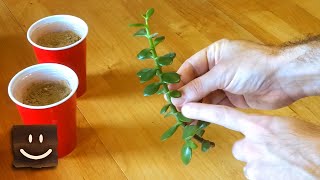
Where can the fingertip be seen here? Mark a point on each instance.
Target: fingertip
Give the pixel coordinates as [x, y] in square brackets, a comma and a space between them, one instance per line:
[171, 86]
[221, 115]
[189, 110]
[186, 109]
[199, 88]
[178, 102]
[175, 86]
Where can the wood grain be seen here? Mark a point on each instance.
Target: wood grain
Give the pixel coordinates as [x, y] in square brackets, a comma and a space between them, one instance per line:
[118, 129]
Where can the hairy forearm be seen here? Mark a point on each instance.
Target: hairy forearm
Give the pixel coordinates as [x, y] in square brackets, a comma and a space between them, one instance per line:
[300, 71]
[301, 68]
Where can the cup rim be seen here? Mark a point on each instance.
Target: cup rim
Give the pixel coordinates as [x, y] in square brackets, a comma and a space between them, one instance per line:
[58, 48]
[45, 106]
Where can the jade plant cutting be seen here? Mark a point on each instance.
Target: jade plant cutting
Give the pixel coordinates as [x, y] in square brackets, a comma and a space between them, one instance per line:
[191, 131]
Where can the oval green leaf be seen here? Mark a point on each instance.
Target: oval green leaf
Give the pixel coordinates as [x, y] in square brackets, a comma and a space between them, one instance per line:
[186, 154]
[137, 25]
[189, 131]
[164, 108]
[171, 77]
[169, 132]
[149, 13]
[165, 61]
[144, 54]
[182, 118]
[147, 75]
[151, 89]
[158, 40]
[170, 54]
[142, 71]
[175, 94]
[141, 32]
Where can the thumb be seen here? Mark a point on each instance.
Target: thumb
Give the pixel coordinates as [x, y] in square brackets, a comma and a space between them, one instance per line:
[221, 115]
[200, 87]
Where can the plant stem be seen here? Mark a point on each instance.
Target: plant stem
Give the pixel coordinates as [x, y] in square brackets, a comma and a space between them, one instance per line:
[158, 67]
[159, 74]
[201, 140]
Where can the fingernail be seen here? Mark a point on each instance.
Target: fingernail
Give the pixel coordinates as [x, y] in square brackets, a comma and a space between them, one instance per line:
[177, 101]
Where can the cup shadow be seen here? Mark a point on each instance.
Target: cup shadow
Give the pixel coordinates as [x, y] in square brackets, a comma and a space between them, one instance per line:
[112, 83]
[23, 58]
[16, 54]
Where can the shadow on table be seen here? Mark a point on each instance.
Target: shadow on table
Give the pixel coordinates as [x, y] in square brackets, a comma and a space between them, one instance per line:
[112, 83]
[124, 140]
[139, 142]
[16, 54]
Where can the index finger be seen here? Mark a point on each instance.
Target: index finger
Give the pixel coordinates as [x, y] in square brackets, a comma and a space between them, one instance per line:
[221, 115]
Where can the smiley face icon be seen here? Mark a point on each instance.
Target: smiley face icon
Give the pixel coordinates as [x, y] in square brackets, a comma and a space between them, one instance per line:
[34, 146]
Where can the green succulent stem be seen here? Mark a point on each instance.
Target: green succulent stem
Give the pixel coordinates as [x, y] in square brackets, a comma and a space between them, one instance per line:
[189, 130]
[158, 67]
[159, 74]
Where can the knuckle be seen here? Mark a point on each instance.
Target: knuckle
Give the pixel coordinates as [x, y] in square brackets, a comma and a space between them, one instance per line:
[257, 126]
[215, 51]
[197, 87]
[246, 151]
[222, 41]
[237, 150]
[263, 125]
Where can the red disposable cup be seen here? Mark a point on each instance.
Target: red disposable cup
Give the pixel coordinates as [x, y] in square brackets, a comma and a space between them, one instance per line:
[62, 113]
[73, 56]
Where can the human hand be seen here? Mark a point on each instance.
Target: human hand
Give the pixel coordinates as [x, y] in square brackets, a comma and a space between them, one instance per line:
[273, 147]
[248, 75]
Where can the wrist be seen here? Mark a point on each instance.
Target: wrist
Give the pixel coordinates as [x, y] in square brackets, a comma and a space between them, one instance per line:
[299, 71]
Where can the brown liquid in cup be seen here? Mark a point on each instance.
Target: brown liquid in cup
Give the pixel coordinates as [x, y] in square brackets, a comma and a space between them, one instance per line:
[43, 93]
[58, 39]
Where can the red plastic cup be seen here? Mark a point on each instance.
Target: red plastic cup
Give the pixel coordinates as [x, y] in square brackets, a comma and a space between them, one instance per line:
[73, 56]
[62, 113]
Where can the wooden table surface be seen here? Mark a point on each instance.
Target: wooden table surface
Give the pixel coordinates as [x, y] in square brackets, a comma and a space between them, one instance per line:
[118, 129]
